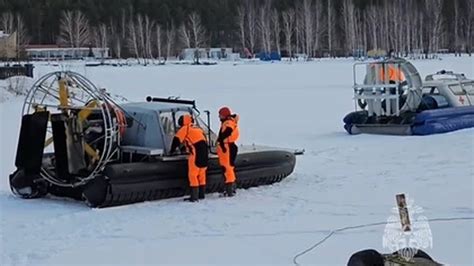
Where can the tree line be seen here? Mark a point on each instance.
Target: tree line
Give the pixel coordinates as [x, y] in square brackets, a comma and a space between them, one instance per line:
[161, 28]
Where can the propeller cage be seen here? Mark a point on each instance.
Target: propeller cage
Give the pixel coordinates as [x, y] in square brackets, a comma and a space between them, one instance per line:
[83, 130]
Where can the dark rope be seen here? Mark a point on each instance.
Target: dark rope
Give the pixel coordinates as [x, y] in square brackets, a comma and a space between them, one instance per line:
[295, 258]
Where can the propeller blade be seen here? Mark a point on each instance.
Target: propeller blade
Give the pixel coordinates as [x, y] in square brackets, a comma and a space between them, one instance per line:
[63, 93]
[84, 114]
[91, 152]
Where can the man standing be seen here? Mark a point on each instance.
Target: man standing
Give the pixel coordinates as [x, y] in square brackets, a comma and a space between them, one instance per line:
[227, 149]
[195, 141]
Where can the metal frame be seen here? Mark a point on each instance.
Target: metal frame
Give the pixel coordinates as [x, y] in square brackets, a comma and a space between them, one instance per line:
[45, 87]
[375, 93]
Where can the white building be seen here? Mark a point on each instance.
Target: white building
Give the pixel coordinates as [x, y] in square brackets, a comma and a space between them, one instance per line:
[54, 52]
[189, 54]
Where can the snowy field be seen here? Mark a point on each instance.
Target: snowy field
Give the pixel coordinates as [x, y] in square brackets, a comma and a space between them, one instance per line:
[341, 180]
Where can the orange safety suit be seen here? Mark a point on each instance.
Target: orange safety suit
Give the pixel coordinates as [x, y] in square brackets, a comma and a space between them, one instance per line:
[195, 141]
[394, 73]
[227, 149]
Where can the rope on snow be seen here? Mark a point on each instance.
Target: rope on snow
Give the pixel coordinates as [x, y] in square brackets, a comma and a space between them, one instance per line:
[295, 258]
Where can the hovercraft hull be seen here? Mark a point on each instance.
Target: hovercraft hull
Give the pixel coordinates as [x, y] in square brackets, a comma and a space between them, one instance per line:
[424, 123]
[127, 183]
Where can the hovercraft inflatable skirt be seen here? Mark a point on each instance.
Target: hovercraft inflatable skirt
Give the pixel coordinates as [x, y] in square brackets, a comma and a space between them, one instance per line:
[145, 181]
[424, 123]
[443, 120]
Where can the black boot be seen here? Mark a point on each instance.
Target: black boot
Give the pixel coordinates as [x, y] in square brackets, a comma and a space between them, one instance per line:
[193, 197]
[202, 192]
[229, 189]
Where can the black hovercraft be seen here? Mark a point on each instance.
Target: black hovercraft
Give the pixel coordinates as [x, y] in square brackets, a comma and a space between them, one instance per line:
[77, 142]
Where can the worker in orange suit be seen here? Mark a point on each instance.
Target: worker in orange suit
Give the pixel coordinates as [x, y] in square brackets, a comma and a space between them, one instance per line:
[227, 147]
[391, 73]
[194, 140]
[394, 74]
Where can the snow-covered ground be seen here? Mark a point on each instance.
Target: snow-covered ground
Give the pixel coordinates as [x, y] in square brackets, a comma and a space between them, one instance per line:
[341, 180]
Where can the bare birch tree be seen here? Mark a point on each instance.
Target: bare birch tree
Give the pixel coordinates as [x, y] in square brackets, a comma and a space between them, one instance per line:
[21, 31]
[364, 30]
[123, 24]
[264, 26]
[140, 34]
[133, 39]
[81, 29]
[350, 33]
[7, 22]
[359, 29]
[251, 22]
[393, 30]
[384, 25]
[275, 21]
[372, 22]
[104, 36]
[409, 25]
[149, 28]
[115, 39]
[198, 32]
[288, 17]
[331, 23]
[305, 26]
[435, 8]
[158, 42]
[469, 22]
[101, 37]
[298, 30]
[241, 15]
[308, 26]
[402, 25]
[170, 38]
[456, 26]
[185, 35]
[320, 26]
[421, 33]
[74, 28]
[67, 28]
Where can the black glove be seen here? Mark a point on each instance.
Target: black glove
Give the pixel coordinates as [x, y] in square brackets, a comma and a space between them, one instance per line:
[174, 146]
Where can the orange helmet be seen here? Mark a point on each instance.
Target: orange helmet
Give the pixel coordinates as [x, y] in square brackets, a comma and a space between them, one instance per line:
[224, 112]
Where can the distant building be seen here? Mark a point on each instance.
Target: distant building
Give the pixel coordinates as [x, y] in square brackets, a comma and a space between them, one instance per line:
[8, 47]
[56, 52]
[190, 54]
[220, 53]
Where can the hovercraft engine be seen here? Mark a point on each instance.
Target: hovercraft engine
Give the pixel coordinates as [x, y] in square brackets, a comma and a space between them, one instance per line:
[70, 130]
[388, 93]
